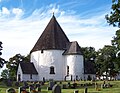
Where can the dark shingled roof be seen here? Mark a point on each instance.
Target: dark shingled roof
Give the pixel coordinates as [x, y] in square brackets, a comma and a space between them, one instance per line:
[73, 48]
[89, 67]
[28, 68]
[53, 37]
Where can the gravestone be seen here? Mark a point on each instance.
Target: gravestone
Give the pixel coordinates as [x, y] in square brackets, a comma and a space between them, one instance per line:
[42, 83]
[64, 86]
[85, 91]
[17, 84]
[21, 89]
[56, 89]
[75, 91]
[74, 85]
[96, 86]
[51, 84]
[31, 87]
[25, 84]
[69, 85]
[10, 90]
[38, 87]
[60, 82]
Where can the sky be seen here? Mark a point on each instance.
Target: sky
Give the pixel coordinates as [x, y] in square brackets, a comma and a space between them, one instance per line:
[23, 21]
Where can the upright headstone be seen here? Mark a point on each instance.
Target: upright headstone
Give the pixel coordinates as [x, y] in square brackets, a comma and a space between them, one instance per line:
[60, 82]
[31, 87]
[96, 86]
[75, 91]
[85, 91]
[56, 89]
[25, 84]
[10, 90]
[19, 89]
[51, 84]
[17, 84]
[74, 85]
[69, 85]
[38, 87]
[64, 86]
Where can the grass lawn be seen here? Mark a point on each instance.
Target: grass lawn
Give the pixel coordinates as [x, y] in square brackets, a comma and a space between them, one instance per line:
[91, 89]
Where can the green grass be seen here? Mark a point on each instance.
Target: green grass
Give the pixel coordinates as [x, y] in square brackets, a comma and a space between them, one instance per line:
[91, 89]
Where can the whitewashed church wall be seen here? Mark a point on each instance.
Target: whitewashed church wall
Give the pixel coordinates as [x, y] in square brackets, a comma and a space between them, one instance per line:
[35, 59]
[47, 58]
[75, 63]
[27, 77]
[19, 72]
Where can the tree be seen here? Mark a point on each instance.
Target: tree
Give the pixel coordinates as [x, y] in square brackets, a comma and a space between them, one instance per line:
[2, 61]
[5, 74]
[116, 40]
[114, 17]
[89, 53]
[106, 61]
[13, 62]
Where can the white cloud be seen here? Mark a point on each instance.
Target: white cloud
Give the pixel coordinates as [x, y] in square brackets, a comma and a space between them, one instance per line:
[5, 11]
[17, 11]
[20, 35]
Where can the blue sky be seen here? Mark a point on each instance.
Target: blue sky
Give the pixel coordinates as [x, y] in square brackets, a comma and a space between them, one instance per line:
[23, 21]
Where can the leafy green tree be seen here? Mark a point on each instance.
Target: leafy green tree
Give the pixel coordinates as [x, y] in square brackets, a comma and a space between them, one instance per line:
[106, 61]
[116, 40]
[5, 74]
[2, 61]
[89, 58]
[114, 17]
[13, 62]
[89, 53]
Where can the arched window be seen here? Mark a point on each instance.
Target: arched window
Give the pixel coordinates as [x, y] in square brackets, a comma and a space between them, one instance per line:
[52, 70]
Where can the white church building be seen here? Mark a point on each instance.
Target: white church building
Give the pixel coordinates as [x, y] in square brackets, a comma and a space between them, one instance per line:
[53, 57]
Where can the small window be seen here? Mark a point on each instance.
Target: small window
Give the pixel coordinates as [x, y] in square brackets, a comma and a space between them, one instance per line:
[67, 70]
[30, 76]
[42, 51]
[52, 70]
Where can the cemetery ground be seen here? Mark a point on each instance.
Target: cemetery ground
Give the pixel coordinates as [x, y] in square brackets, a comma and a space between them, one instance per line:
[92, 87]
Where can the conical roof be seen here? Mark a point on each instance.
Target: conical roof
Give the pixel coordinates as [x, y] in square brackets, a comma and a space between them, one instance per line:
[73, 48]
[53, 37]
